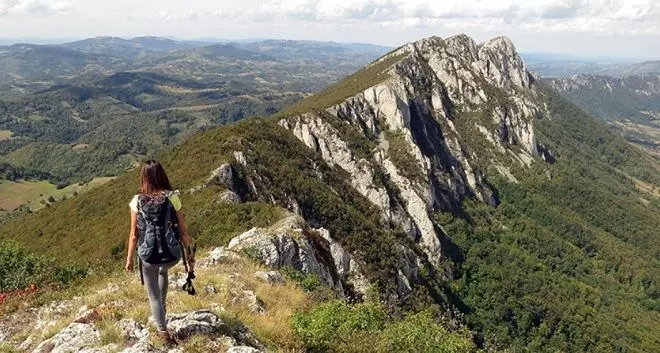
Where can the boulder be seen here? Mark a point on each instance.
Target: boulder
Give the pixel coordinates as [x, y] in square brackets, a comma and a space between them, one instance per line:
[218, 255]
[227, 196]
[272, 277]
[205, 322]
[288, 243]
[74, 338]
[132, 330]
[199, 322]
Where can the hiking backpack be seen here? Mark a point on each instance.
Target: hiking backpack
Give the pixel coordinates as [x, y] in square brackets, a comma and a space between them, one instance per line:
[158, 231]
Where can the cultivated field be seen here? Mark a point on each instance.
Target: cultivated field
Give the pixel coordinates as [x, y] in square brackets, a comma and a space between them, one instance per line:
[36, 193]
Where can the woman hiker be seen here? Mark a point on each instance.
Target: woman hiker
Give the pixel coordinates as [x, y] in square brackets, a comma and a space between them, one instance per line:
[157, 233]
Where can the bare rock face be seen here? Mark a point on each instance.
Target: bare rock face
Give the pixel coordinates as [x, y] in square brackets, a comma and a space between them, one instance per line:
[221, 176]
[437, 85]
[286, 244]
[292, 243]
[345, 265]
[502, 65]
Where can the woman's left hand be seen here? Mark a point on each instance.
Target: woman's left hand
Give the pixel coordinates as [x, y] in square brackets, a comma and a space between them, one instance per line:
[129, 264]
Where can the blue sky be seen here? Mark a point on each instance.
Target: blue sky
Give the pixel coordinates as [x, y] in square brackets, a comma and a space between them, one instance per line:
[622, 28]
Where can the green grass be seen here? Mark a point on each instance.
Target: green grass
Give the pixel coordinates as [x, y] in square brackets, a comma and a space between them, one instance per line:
[350, 86]
[405, 162]
[15, 194]
[32, 193]
[36, 118]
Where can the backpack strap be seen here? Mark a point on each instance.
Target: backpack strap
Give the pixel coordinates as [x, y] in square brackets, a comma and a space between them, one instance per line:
[139, 260]
[140, 267]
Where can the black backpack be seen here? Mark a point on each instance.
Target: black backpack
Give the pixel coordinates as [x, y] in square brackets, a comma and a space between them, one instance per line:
[158, 231]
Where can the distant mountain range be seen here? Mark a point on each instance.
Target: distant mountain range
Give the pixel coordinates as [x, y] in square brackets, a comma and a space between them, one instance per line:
[67, 107]
[30, 67]
[555, 65]
[647, 67]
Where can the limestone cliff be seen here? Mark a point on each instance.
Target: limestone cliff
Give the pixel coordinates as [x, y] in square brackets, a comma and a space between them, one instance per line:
[435, 86]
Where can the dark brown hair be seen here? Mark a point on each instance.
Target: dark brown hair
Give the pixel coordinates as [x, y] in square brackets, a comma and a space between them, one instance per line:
[153, 178]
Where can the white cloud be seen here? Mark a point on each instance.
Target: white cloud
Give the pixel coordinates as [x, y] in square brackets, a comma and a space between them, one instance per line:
[613, 16]
[585, 26]
[33, 7]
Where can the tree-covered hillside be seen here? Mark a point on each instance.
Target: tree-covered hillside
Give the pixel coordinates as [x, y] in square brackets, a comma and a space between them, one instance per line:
[94, 107]
[569, 260]
[630, 104]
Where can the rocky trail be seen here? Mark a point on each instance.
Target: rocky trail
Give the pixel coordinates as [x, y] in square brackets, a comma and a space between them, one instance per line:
[243, 302]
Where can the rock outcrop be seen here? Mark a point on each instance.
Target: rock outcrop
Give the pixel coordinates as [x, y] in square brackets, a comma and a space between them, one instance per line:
[436, 93]
[292, 243]
[76, 337]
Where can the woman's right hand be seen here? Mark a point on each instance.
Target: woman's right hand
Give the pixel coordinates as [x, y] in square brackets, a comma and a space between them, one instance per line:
[129, 264]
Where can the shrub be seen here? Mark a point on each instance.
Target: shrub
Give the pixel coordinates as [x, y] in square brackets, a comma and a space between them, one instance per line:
[309, 282]
[325, 327]
[20, 269]
[337, 326]
[420, 333]
[252, 253]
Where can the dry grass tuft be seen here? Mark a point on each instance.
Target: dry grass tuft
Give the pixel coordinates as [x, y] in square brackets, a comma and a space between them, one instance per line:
[229, 280]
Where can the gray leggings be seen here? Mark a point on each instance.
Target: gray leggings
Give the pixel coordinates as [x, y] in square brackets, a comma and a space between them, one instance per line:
[155, 280]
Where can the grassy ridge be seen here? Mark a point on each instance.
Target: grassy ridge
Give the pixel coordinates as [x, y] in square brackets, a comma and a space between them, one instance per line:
[365, 78]
[94, 226]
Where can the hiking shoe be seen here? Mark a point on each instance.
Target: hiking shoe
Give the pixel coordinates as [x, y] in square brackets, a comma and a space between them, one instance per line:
[165, 338]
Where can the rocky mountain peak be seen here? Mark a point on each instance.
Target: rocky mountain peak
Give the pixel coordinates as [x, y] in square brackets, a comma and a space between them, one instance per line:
[503, 63]
[445, 112]
[463, 45]
[495, 60]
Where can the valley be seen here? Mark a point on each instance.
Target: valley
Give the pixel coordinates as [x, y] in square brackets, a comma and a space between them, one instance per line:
[94, 108]
[37, 194]
[629, 104]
